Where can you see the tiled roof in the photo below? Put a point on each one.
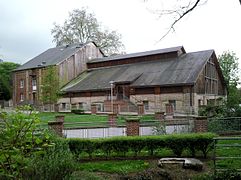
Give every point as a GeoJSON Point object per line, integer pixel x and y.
{"type": "Point", "coordinates": [51, 56]}
{"type": "Point", "coordinates": [181, 70]}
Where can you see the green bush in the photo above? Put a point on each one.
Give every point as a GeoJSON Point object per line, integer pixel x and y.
{"type": "Point", "coordinates": [78, 111]}
{"type": "Point", "coordinates": [176, 143]}
{"type": "Point", "coordinates": [122, 145]}
{"type": "Point", "coordinates": [28, 152]}
{"type": "Point", "coordinates": [56, 163]}
{"type": "Point", "coordinates": [20, 138]}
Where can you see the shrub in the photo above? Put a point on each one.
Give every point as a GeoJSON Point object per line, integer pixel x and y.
{"type": "Point", "coordinates": [153, 143]}
{"type": "Point", "coordinates": [78, 111]}
{"type": "Point", "coordinates": [20, 138]}
{"type": "Point", "coordinates": [56, 163]}
{"type": "Point", "coordinates": [204, 143]}
{"type": "Point", "coordinates": [176, 143]}
{"type": "Point", "coordinates": [121, 145]}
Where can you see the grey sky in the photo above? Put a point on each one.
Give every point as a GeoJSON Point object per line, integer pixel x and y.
{"type": "Point", "coordinates": [25, 25]}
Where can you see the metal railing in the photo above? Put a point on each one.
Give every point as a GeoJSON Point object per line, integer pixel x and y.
{"type": "Point", "coordinates": [227, 154]}
{"type": "Point", "coordinates": [231, 125]}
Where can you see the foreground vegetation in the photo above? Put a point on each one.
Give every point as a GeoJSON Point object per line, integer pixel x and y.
{"type": "Point", "coordinates": [30, 153]}
{"type": "Point", "coordinates": [143, 145]}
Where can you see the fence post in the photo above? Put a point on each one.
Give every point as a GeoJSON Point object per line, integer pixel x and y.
{"type": "Point", "coordinates": [93, 108]}
{"type": "Point", "coordinates": [132, 126]}
{"type": "Point", "coordinates": [200, 124]}
{"type": "Point", "coordinates": [112, 117]}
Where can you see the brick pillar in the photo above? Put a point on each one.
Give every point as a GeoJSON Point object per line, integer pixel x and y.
{"type": "Point", "coordinates": [169, 109]}
{"type": "Point", "coordinates": [59, 118]}
{"type": "Point", "coordinates": [132, 126]}
{"type": "Point", "coordinates": [115, 108]}
{"type": "Point", "coordinates": [140, 108]}
{"type": "Point", "coordinates": [159, 115]}
{"type": "Point", "coordinates": [200, 124]}
{"type": "Point", "coordinates": [112, 119]}
{"type": "Point", "coordinates": [57, 127]}
{"type": "Point", "coordinates": [93, 108]}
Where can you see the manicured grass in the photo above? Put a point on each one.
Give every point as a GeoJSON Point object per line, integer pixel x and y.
{"type": "Point", "coordinates": [70, 117]}
{"type": "Point", "coordinates": [234, 153]}
{"type": "Point", "coordinates": [75, 120]}
{"type": "Point", "coordinates": [85, 120]}
{"type": "Point", "coordinates": [119, 167]}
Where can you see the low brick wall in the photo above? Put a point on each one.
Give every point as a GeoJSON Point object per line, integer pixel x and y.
{"type": "Point", "coordinates": [200, 124]}
{"type": "Point", "coordinates": [159, 115]}
{"type": "Point", "coordinates": [59, 118]}
{"type": "Point", "coordinates": [132, 126]}
{"type": "Point", "coordinates": [57, 127]}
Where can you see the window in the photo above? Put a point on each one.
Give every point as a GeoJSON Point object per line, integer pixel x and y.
{"type": "Point", "coordinates": [99, 107]}
{"type": "Point", "coordinates": [173, 103]}
{"type": "Point", "coordinates": [21, 83]}
{"type": "Point", "coordinates": [81, 106]}
{"type": "Point", "coordinates": [21, 97]}
{"type": "Point", "coordinates": [146, 105]}
{"type": "Point", "coordinates": [64, 106]}
{"type": "Point", "coordinates": [34, 84]}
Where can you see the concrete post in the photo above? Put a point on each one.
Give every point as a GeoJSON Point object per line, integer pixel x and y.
{"type": "Point", "coordinates": [132, 126]}
{"type": "Point", "coordinates": [200, 124]}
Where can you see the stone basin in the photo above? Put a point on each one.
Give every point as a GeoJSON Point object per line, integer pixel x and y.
{"type": "Point", "coordinates": [189, 163]}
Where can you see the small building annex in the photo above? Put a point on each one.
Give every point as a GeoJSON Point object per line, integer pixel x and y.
{"type": "Point", "coordinates": [163, 80]}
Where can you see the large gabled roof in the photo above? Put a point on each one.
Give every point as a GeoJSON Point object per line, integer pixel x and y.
{"type": "Point", "coordinates": [181, 70]}
{"type": "Point", "coordinates": [139, 54]}
{"type": "Point", "coordinates": [51, 56]}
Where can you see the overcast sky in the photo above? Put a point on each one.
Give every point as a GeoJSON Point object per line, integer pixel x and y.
{"type": "Point", "coordinates": [25, 26]}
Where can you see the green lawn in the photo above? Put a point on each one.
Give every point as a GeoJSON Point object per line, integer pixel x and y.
{"type": "Point", "coordinates": [233, 154]}
{"type": "Point", "coordinates": [119, 167]}
{"type": "Point", "coordinates": [85, 120]}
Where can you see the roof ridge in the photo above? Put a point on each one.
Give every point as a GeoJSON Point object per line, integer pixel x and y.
{"type": "Point", "coordinates": [138, 54]}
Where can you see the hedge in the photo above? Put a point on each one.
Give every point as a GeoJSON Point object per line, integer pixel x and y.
{"type": "Point", "coordinates": [122, 145]}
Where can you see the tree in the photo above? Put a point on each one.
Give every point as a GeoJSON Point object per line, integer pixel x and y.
{"type": "Point", "coordinates": [50, 90]}
{"type": "Point", "coordinates": [180, 10]}
{"type": "Point", "coordinates": [82, 27]}
{"type": "Point", "coordinates": [229, 66]}
{"type": "Point", "coordinates": [6, 69]}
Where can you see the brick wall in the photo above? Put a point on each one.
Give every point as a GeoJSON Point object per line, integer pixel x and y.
{"type": "Point", "coordinates": [132, 126]}
{"type": "Point", "coordinates": [27, 90]}
{"type": "Point", "coordinates": [200, 124]}
{"type": "Point", "coordinates": [57, 127]}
